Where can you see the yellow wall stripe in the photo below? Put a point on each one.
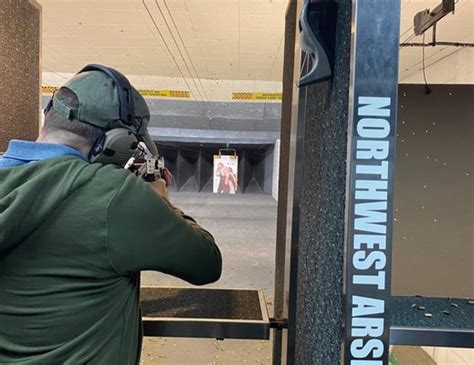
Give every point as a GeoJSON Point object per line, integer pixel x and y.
{"type": "Point", "coordinates": [186, 94]}
{"type": "Point", "coordinates": [48, 89]}
{"type": "Point", "coordinates": [257, 96]}
{"type": "Point", "coordinates": [165, 93]}
{"type": "Point", "coordinates": [144, 92]}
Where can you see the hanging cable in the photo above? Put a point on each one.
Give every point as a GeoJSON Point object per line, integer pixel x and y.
{"type": "Point", "coordinates": [421, 62]}
{"type": "Point", "coordinates": [303, 64]}
{"type": "Point", "coordinates": [444, 57]}
{"type": "Point", "coordinates": [408, 3]}
{"type": "Point", "coordinates": [434, 62]}
{"type": "Point", "coordinates": [171, 55]}
{"type": "Point", "coordinates": [179, 50]}
{"type": "Point", "coordinates": [276, 56]}
{"type": "Point", "coordinates": [186, 50]}
{"type": "Point", "coordinates": [56, 73]}
{"type": "Point", "coordinates": [408, 30]}
{"type": "Point", "coordinates": [427, 88]}
{"type": "Point", "coordinates": [446, 44]}
{"type": "Point", "coordinates": [194, 30]}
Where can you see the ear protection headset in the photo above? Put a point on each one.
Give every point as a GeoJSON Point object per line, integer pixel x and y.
{"type": "Point", "coordinates": [124, 89]}
{"type": "Point", "coordinates": [116, 145]}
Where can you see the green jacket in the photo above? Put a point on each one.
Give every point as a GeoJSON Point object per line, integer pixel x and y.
{"type": "Point", "coordinates": [74, 237]}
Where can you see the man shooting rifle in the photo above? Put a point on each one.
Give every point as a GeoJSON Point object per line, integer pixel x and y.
{"type": "Point", "coordinates": [76, 229]}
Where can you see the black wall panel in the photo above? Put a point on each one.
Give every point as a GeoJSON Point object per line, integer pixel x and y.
{"type": "Point", "coordinates": [433, 247]}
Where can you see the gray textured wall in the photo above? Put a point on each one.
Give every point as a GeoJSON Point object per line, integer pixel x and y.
{"type": "Point", "coordinates": [212, 122]}
{"type": "Point", "coordinates": [248, 116]}
{"type": "Point", "coordinates": [319, 306]}
{"type": "Point", "coordinates": [19, 70]}
{"type": "Point", "coordinates": [433, 244]}
{"type": "Point", "coordinates": [236, 116]}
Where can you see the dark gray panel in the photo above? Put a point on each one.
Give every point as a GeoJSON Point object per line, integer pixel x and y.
{"type": "Point", "coordinates": [212, 313]}
{"type": "Point", "coordinates": [251, 176]}
{"type": "Point", "coordinates": [257, 183]}
{"type": "Point", "coordinates": [187, 170]}
{"type": "Point", "coordinates": [205, 170]}
{"type": "Point", "coordinates": [433, 249]}
{"type": "Point", "coordinates": [268, 171]}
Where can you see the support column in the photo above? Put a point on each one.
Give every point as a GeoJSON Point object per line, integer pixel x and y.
{"type": "Point", "coordinates": [20, 74]}
{"type": "Point", "coordinates": [316, 202]}
{"type": "Point", "coordinates": [323, 203]}
{"type": "Point", "coordinates": [371, 166]}
{"type": "Point", "coordinates": [280, 305]}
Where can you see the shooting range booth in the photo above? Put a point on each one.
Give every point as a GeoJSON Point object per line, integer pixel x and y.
{"type": "Point", "coordinates": [375, 201]}
{"type": "Point", "coordinates": [375, 216]}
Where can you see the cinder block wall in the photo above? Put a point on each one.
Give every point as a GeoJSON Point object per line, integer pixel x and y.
{"type": "Point", "coordinates": [20, 53]}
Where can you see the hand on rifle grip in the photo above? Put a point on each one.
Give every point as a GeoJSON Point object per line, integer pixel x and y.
{"type": "Point", "coordinates": [167, 176]}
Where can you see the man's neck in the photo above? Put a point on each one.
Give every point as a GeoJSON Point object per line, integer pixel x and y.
{"type": "Point", "coordinates": [45, 138]}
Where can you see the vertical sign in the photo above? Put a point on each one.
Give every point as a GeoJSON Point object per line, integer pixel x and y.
{"type": "Point", "coordinates": [371, 157]}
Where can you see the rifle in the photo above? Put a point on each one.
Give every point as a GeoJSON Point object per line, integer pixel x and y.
{"type": "Point", "coordinates": [146, 164]}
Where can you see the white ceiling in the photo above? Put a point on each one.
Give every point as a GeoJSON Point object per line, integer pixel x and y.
{"type": "Point", "coordinates": [221, 40]}
{"type": "Point", "coordinates": [225, 39]}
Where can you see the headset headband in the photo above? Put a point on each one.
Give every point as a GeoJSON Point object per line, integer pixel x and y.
{"type": "Point", "coordinates": [124, 90]}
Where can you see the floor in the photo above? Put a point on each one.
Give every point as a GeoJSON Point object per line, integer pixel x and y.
{"type": "Point", "coordinates": [244, 227]}
{"type": "Point", "coordinates": [411, 355]}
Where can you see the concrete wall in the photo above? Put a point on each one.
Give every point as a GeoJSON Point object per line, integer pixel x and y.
{"type": "Point", "coordinates": [212, 122]}
{"type": "Point", "coordinates": [215, 89]}
{"type": "Point", "coordinates": [242, 116]}
{"type": "Point", "coordinates": [20, 30]}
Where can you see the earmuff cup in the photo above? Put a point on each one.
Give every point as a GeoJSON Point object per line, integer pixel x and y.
{"type": "Point", "coordinates": [116, 146]}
